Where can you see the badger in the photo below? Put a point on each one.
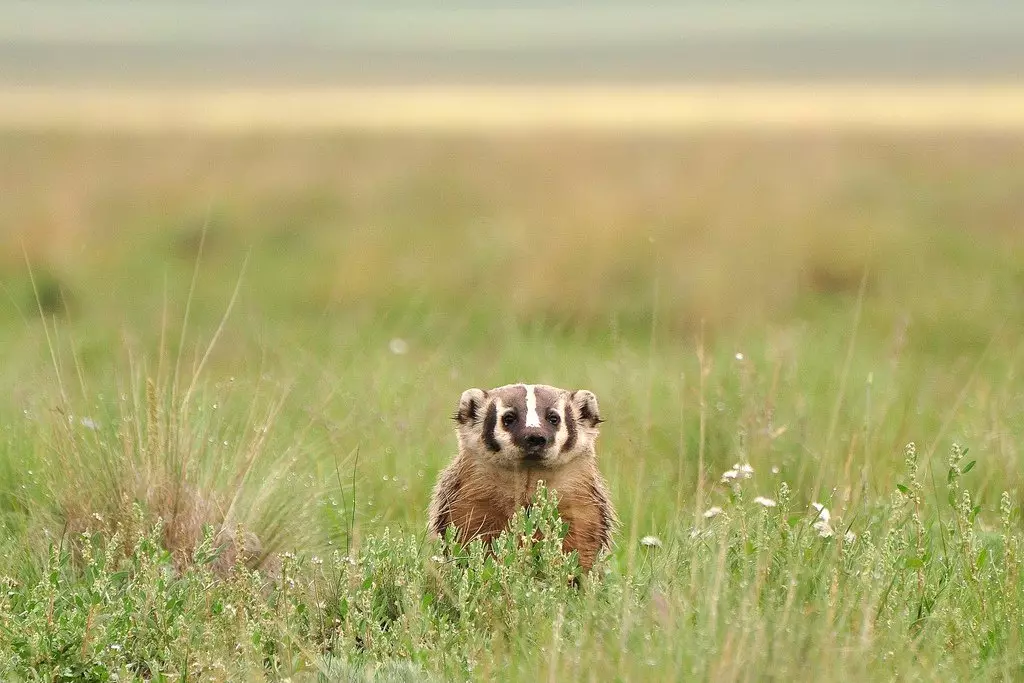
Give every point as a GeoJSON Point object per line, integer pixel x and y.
{"type": "Point", "coordinates": [510, 438]}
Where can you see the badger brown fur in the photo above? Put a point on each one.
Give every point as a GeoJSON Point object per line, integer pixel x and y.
{"type": "Point", "coordinates": [509, 439]}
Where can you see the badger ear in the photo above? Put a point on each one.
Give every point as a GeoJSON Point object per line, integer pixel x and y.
{"type": "Point", "coordinates": [586, 406]}
{"type": "Point", "coordinates": [469, 406]}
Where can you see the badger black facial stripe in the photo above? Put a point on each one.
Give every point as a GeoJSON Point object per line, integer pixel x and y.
{"type": "Point", "coordinates": [570, 426]}
{"type": "Point", "coordinates": [490, 423]}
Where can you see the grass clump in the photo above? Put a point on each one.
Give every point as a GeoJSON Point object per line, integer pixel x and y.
{"type": "Point", "coordinates": [181, 455]}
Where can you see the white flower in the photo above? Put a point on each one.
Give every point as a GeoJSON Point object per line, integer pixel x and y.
{"type": "Point", "coordinates": [821, 522]}
{"type": "Point", "coordinates": [737, 472]}
{"type": "Point", "coordinates": [766, 502]}
{"type": "Point", "coordinates": [850, 537]}
{"type": "Point", "coordinates": [739, 355]}
{"type": "Point", "coordinates": [775, 469]}
{"type": "Point", "coordinates": [650, 542]}
{"type": "Point", "coordinates": [823, 514]}
{"type": "Point", "coordinates": [398, 346]}
{"type": "Point", "coordinates": [712, 512]}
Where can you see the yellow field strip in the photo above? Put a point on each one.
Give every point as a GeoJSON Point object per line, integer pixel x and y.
{"type": "Point", "coordinates": [485, 108]}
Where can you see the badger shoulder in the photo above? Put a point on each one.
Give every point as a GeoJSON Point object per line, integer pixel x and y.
{"type": "Point", "coordinates": [476, 502]}
{"type": "Point", "coordinates": [584, 504]}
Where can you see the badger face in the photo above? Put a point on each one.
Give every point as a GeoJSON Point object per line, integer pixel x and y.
{"type": "Point", "coordinates": [527, 425]}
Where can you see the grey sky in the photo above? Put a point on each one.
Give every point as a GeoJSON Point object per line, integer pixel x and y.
{"type": "Point", "coordinates": [255, 41]}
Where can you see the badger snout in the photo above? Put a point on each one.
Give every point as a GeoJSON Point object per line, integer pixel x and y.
{"type": "Point", "coordinates": [534, 443]}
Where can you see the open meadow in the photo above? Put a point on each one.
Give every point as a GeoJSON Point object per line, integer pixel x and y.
{"type": "Point", "coordinates": [230, 365]}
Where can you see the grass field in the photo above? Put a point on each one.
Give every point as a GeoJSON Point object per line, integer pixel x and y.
{"type": "Point", "coordinates": [230, 364]}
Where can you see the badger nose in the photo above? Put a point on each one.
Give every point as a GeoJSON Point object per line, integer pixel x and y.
{"type": "Point", "coordinates": [536, 441]}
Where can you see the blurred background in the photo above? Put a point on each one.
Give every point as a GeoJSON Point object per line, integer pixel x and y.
{"type": "Point", "coordinates": [319, 42]}
{"type": "Point", "coordinates": [411, 199]}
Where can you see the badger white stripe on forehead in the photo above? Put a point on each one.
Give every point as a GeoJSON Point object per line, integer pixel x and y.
{"type": "Point", "coordinates": [532, 418]}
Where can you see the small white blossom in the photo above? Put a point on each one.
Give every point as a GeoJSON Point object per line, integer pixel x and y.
{"type": "Point", "coordinates": [766, 502]}
{"type": "Point", "coordinates": [398, 346]}
{"type": "Point", "coordinates": [850, 537]}
{"type": "Point", "coordinates": [738, 471]}
{"type": "Point", "coordinates": [739, 355]}
{"type": "Point", "coordinates": [775, 469]}
{"type": "Point", "coordinates": [650, 542]}
{"type": "Point", "coordinates": [823, 513]}
{"type": "Point", "coordinates": [712, 512]}
{"type": "Point", "coordinates": [821, 522]}
{"type": "Point", "coordinates": [437, 558]}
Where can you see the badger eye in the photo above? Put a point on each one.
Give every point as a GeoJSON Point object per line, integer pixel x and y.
{"type": "Point", "coordinates": [508, 419]}
{"type": "Point", "coordinates": [554, 418]}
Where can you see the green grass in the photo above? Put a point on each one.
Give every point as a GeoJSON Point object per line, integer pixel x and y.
{"type": "Point", "coordinates": [203, 485]}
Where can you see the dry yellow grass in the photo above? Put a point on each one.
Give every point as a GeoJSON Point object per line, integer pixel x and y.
{"type": "Point", "coordinates": [733, 226]}
{"type": "Point", "coordinates": [475, 108]}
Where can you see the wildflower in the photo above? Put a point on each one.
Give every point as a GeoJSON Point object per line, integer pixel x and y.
{"type": "Point", "coordinates": [821, 522]}
{"type": "Point", "coordinates": [650, 542]}
{"type": "Point", "coordinates": [713, 511]}
{"type": "Point", "coordinates": [849, 537]}
{"type": "Point", "coordinates": [775, 469]}
{"type": "Point", "coordinates": [398, 346]}
{"type": "Point", "coordinates": [823, 513]}
{"type": "Point", "coordinates": [766, 502]}
{"type": "Point", "coordinates": [739, 355]}
{"type": "Point", "coordinates": [737, 472]}
{"type": "Point", "coordinates": [437, 558]}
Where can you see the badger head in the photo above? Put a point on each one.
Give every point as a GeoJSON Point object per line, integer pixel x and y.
{"type": "Point", "coordinates": [527, 425]}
